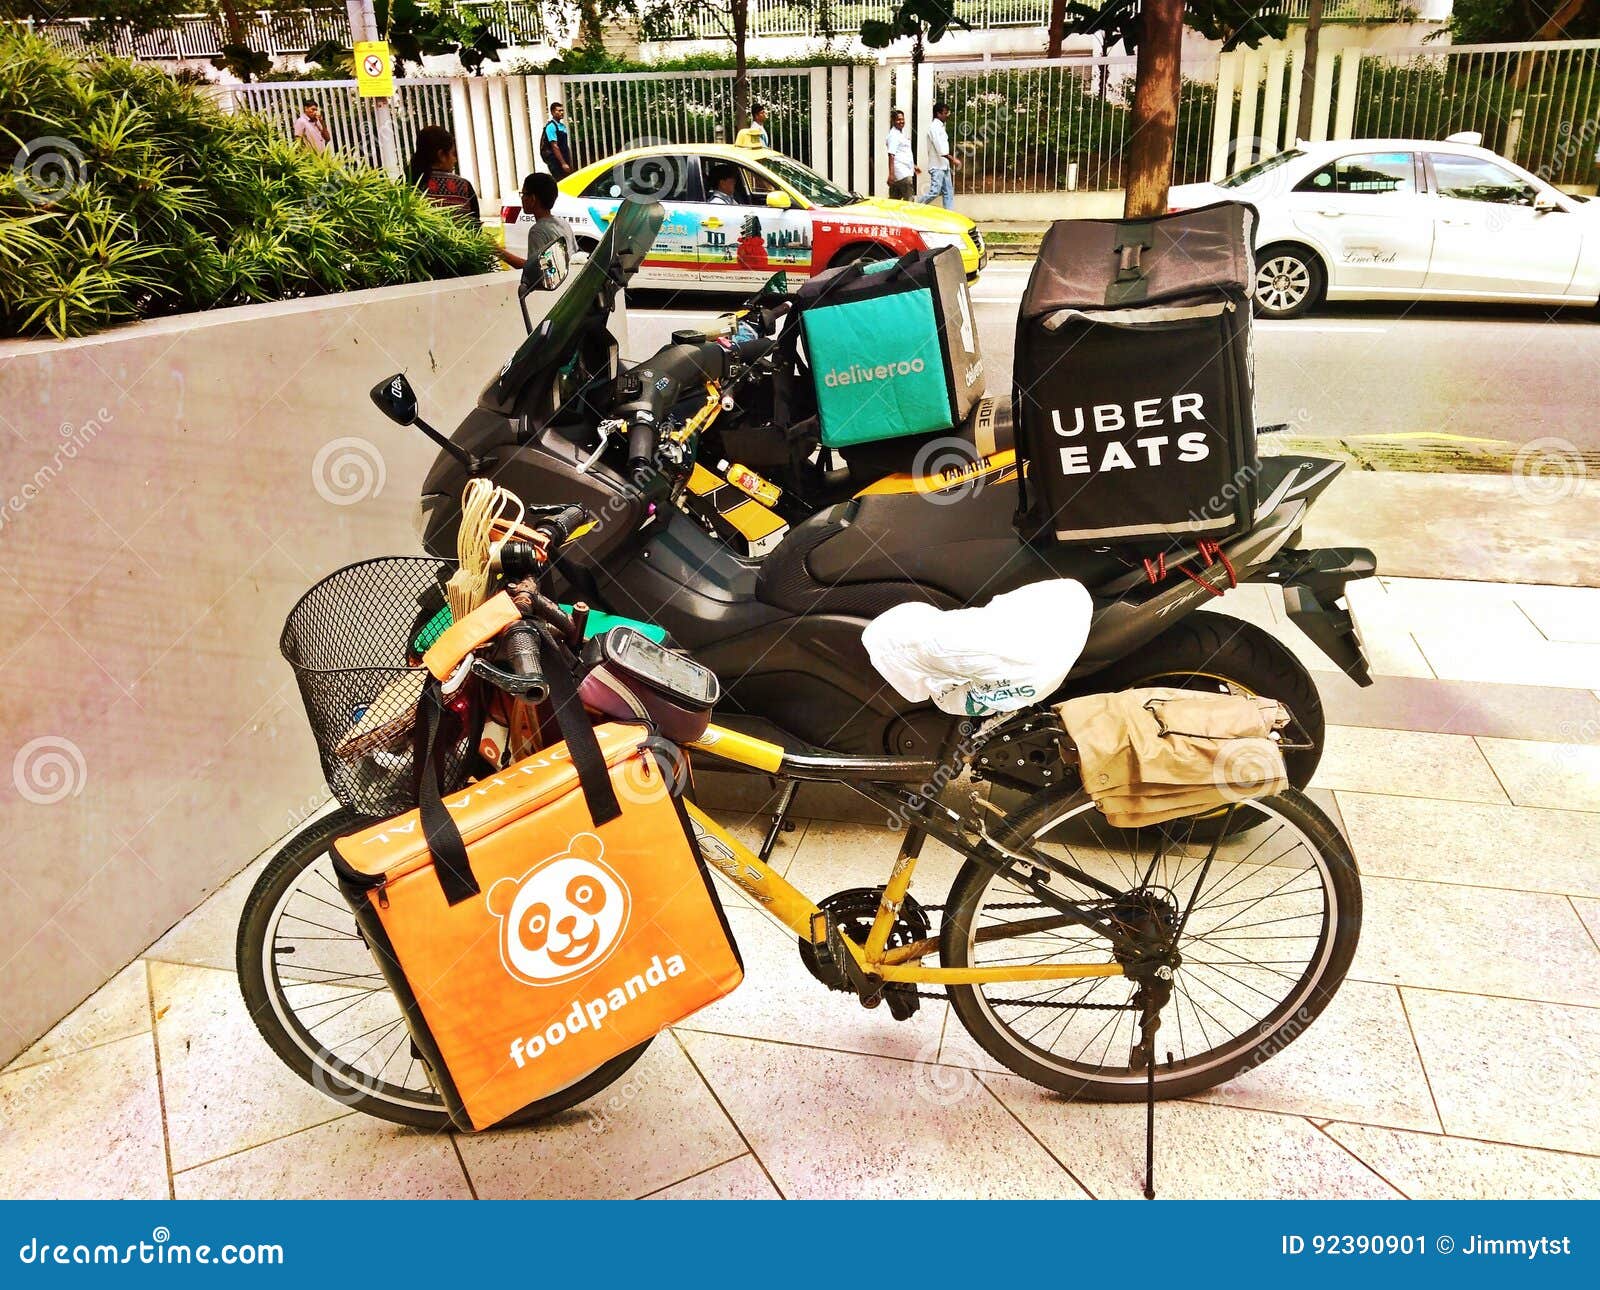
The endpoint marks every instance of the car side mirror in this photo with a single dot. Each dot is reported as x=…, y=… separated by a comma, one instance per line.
x=396, y=399
x=779, y=201
x=1543, y=204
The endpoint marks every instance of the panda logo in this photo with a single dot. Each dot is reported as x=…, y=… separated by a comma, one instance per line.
x=563, y=917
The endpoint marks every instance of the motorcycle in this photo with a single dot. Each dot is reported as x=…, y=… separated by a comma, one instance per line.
x=564, y=421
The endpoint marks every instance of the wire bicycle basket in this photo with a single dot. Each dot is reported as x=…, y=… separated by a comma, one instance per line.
x=355, y=642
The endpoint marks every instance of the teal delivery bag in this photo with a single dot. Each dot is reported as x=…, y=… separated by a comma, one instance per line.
x=891, y=348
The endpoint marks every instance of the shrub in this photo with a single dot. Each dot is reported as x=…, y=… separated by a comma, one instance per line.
x=132, y=195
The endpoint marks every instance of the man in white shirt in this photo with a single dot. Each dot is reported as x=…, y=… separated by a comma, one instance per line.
x=310, y=130
x=903, y=166
x=941, y=186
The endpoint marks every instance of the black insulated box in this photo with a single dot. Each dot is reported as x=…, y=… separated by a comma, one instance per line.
x=1133, y=386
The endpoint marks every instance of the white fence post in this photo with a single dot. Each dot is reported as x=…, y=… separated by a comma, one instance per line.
x=1293, y=66
x=839, y=115
x=1222, y=121
x=461, y=127
x=1272, y=104
x=882, y=107
x=923, y=95
x=500, y=127
x=521, y=141
x=819, y=117
x=1244, y=149
x=1344, y=117
x=1321, y=95
x=861, y=121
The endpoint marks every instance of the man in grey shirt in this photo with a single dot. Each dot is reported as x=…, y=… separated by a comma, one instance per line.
x=551, y=245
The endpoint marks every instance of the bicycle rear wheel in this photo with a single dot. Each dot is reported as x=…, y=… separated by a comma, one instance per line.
x=319, y=1000
x=1269, y=938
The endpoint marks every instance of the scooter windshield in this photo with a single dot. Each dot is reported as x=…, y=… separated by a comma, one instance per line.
x=587, y=298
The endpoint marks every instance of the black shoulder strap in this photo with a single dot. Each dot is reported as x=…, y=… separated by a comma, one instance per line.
x=436, y=731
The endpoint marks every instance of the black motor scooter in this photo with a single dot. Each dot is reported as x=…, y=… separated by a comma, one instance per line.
x=563, y=422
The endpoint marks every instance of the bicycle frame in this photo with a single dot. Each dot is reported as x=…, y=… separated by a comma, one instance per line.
x=873, y=776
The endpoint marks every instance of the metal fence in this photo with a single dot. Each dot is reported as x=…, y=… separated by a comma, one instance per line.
x=350, y=118
x=1536, y=104
x=618, y=111
x=840, y=17
x=1041, y=126
x=1353, y=10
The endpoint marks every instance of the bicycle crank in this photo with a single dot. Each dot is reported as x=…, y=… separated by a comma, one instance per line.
x=849, y=914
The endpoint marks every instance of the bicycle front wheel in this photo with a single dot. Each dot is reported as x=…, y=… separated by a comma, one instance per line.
x=315, y=993
x=1268, y=938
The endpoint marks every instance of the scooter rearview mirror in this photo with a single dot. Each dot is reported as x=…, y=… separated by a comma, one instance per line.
x=396, y=399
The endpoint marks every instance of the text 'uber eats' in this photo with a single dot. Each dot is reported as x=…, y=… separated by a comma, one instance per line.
x=1141, y=414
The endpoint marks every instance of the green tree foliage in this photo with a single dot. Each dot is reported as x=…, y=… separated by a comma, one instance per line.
x=125, y=194
x=414, y=29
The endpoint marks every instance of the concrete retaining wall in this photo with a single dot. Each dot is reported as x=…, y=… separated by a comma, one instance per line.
x=168, y=491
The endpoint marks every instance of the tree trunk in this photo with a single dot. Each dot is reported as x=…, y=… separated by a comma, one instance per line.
x=740, y=13
x=1308, y=70
x=591, y=32
x=1058, y=24
x=1153, y=123
x=1554, y=27
x=233, y=23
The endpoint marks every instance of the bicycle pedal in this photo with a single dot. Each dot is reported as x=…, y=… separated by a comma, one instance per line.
x=839, y=967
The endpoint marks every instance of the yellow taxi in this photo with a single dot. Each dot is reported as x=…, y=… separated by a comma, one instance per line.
x=736, y=215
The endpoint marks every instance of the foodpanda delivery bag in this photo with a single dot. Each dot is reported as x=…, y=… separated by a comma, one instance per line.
x=540, y=922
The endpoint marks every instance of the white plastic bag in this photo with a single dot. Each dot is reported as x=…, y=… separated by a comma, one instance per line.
x=995, y=658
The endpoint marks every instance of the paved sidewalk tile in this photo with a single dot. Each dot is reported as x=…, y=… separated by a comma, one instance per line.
x=1562, y=613
x=354, y=1158
x=1202, y=1152
x=1478, y=844
x=741, y=1179
x=1427, y=1166
x=1543, y=712
x=225, y=1090
x=1525, y=945
x=84, y=1127
x=119, y=1008
x=1563, y=776
x=1511, y=1070
x=1357, y=1061
x=1463, y=656
x=658, y=1124
x=206, y=937
x=1408, y=762
x=841, y=1125
x=1589, y=911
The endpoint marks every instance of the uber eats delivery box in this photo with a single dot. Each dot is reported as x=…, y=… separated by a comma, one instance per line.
x=572, y=920
x=891, y=346
x=1133, y=398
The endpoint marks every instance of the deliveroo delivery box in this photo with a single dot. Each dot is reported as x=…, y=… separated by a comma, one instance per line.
x=892, y=347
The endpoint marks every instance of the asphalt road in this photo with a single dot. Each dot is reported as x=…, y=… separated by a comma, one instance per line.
x=1459, y=373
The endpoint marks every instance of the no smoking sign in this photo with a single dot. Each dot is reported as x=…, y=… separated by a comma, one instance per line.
x=374, y=69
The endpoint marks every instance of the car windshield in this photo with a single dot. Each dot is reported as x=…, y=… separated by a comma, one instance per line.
x=807, y=182
x=1240, y=178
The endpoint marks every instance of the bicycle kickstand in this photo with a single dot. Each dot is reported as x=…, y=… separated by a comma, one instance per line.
x=781, y=823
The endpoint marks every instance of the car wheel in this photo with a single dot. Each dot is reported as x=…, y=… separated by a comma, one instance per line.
x=1289, y=281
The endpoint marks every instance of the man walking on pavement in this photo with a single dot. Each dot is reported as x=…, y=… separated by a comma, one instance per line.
x=555, y=146
x=940, y=163
x=903, y=166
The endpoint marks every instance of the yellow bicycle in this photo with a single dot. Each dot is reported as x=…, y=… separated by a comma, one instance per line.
x=1101, y=963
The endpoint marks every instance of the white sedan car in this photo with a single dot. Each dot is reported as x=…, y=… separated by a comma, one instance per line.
x=1367, y=219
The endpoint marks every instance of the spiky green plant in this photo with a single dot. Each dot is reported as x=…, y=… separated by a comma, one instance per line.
x=125, y=194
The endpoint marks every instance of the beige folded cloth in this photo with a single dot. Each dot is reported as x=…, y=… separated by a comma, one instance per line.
x=1158, y=754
